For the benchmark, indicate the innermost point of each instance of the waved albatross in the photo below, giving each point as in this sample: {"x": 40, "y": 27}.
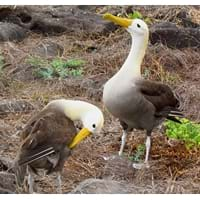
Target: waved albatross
{"x": 136, "y": 102}
{"x": 49, "y": 136}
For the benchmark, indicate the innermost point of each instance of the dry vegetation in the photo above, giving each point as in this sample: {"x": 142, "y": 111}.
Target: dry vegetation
{"x": 174, "y": 169}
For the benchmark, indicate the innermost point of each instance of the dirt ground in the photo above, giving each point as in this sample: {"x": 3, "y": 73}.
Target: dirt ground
{"x": 173, "y": 168}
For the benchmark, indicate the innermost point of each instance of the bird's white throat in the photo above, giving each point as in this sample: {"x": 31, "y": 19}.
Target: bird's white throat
{"x": 132, "y": 66}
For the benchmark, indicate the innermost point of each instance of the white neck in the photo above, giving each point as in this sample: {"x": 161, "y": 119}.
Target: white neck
{"x": 132, "y": 65}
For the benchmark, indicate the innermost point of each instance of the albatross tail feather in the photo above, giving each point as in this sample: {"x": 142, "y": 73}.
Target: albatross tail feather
{"x": 170, "y": 113}
{"x": 174, "y": 119}
{"x": 176, "y": 113}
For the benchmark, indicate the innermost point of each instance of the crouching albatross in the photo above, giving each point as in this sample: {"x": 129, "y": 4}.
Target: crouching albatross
{"x": 49, "y": 136}
{"x": 136, "y": 102}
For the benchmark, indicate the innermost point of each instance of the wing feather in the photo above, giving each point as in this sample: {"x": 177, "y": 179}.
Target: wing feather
{"x": 161, "y": 96}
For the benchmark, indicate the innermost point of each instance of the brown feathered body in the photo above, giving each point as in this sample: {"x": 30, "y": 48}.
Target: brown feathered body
{"x": 45, "y": 141}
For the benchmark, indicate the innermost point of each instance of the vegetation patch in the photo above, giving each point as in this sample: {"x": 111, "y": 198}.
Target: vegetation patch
{"x": 138, "y": 15}
{"x": 188, "y": 131}
{"x": 57, "y": 67}
{"x": 138, "y": 156}
{"x": 2, "y": 63}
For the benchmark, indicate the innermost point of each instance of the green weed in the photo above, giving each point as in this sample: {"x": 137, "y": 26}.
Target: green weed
{"x": 56, "y": 68}
{"x": 139, "y": 153}
{"x": 188, "y": 131}
{"x": 138, "y": 15}
{"x": 36, "y": 61}
{"x": 2, "y": 63}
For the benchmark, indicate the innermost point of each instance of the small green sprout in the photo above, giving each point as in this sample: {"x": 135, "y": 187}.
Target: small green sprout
{"x": 138, "y": 15}
{"x": 135, "y": 15}
{"x": 74, "y": 63}
{"x": 139, "y": 153}
{"x": 36, "y": 61}
{"x": 2, "y": 63}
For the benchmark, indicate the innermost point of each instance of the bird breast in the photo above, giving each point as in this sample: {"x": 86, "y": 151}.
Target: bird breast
{"x": 116, "y": 96}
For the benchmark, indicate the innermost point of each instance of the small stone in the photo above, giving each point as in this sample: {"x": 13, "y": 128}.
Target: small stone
{"x": 48, "y": 49}
{"x": 12, "y": 106}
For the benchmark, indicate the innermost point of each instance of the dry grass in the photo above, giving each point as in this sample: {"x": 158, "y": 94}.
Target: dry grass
{"x": 173, "y": 169}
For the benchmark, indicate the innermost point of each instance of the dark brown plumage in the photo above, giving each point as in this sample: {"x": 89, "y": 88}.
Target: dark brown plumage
{"x": 49, "y": 136}
{"x": 162, "y": 98}
{"x": 45, "y": 141}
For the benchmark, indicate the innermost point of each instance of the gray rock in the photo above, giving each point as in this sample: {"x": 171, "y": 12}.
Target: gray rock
{"x": 48, "y": 49}
{"x": 51, "y": 20}
{"x": 172, "y": 36}
{"x": 100, "y": 186}
{"x": 7, "y": 183}
{"x": 11, "y": 32}
{"x": 10, "y": 106}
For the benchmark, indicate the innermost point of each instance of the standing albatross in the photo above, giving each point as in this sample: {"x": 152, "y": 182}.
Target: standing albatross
{"x": 49, "y": 136}
{"x": 136, "y": 102}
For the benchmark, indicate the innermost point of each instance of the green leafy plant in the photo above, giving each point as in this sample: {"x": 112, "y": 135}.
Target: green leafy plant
{"x": 56, "y": 68}
{"x": 74, "y": 63}
{"x": 188, "y": 131}
{"x": 138, "y": 154}
{"x": 44, "y": 72}
{"x": 135, "y": 14}
{"x": 36, "y": 61}
{"x": 2, "y": 62}
{"x": 138, "y": 15}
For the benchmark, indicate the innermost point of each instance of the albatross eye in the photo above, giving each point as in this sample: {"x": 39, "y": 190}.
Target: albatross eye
{"x": 94, "y": 125}
{"x": 138, "y": 25}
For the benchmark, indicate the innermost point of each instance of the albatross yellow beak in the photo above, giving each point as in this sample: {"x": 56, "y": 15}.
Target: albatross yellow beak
{"x": 83, "y": 133}
{"x": 124, "y": 22}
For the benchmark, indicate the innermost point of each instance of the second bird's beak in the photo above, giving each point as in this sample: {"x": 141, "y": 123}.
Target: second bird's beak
{"x": 124, "y": 22}
{"x": 82, "y": 134}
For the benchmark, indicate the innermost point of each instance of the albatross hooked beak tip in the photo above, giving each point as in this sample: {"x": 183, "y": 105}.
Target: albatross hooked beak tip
{"x": 124, "y": 22}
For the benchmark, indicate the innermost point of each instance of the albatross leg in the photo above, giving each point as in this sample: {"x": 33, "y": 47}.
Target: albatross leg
{"x": 148, "y": 146}
{"x": 59, "y": 183}
{"x": 30, "y": 180}
{"x": 124, "y": 136}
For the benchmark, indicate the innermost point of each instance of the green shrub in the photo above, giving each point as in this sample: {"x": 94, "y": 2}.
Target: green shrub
{"x": 74, "y": 63}
{"x": 138, "y": 154}
{"x": 36, "y": 61}
{"x": 135, "y": 15}
{"x": 56, "y": 68}
{"x": 44, "y": 72}
{"x": 188, "y": 131}
{"x": 138, "y": 15}
{"x": 2, "y": 62}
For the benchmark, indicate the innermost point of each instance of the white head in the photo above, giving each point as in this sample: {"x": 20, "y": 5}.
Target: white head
{"x": 93, "y": 120}
{"x": 136, "y": 27}
{"x": 89, "y": 114}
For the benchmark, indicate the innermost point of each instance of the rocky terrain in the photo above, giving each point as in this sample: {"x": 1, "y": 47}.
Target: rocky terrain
{"x": 31, "y": 35}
